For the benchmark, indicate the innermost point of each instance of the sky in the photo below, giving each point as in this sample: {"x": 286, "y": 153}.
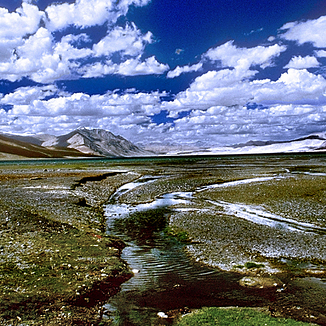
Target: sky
{"x": 203, "y": 73}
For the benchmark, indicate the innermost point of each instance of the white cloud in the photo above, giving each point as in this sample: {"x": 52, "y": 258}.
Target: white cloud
{"x": 25, "y": 20}
{"x": 38, "y": 59}
{"x": 16, "y": 25}
{"x": 294, "y": 103}
{"x": 31, "y": 101}
{"x": 133, "y": 67}
{"x": 224, "y": 126}
{"x": 27, "y": 95}
{"x": 128, "y": 114}
{"x": 67, "y": 51}
{"x": 181, "y": 70}
{"x": 303, "y": 62}
{"x": 128, "y": 40}
{"x": 130, "y": 67}
{"x": 29, "y": 50}
{"x": 232, "y": 56}
{"x": 321, "y": 53}
{"x": 82, "y": 13}
{"x": 33, "y": 113}
{"x": 312, "y": 31}
{"x": 232, "y": 88}
{"x": 85, "y": 13}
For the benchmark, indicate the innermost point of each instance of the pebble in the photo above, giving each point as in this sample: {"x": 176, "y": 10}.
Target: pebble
{"x": 162, "y": 314}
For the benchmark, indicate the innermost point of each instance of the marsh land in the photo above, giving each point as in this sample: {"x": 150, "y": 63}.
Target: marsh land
{"x": 257, "y": 221}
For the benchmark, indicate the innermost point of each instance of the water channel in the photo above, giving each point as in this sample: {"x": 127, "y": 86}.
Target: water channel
{"x": 165, "y": 280}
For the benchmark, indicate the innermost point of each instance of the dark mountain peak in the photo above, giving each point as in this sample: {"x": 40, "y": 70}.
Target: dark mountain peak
{"x": 99, "y": 142}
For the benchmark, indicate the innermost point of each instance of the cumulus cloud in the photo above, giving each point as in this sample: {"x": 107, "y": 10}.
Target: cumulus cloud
{"x": 39, "y": 59}
{"x": 303, "y": 62}
{"x": 216, "y": 101}
{"x": 82, "y": 13}
{"x": 129, "y": 41}
{"x": 210, "y": 124}
{"x": 27, "y": 95}
{"x": 176, "y": 72}
{"x": 225, "y": 126}
{"x": 32, "y": 112}
{"x": 130, "y": 67}
{"x": 312, "y": 31}
{"x": 30, "y": 49}
{"x": 232, "y": 88}
{"x": 25, "y": 20}
{"x": 231, "y": 56}
{"x": 321, "y": 53}
{"x": 133, "y": 67}
{"x": 85, "y": 13}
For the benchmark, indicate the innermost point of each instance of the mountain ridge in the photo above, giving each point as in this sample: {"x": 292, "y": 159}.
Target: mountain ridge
{"x": 80, "y": 142}
{"x": 84, "y": 142}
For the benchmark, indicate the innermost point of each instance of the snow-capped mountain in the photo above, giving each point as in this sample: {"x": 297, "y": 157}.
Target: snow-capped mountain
{"x": 311, "y": 143}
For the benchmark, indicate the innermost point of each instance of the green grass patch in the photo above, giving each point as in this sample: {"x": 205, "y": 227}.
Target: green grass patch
{"x": 181, "y": 236}
{"x": 250, "y": 264}
{"x": 233, "y": 317}
{"x": 61, "y": 264}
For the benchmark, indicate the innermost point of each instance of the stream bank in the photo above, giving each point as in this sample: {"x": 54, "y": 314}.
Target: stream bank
{"x": 254, "y": 255}
{"x": 57, "y": 266}
{"x": 58, "y": 206}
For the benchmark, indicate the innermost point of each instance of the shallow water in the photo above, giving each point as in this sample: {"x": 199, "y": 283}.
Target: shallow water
{"x": 258, "y": 215}
{"x": 164, "y": 277}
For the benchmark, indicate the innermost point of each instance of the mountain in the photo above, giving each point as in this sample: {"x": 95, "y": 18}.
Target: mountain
{"x": 97, "y": 142}
{"x": 311, "y": 143}
{"x": 102, "y": 143}
{"x": 11, "y": 148}
{"x": 81, "y": 142}
{"x": 269, "y": 142}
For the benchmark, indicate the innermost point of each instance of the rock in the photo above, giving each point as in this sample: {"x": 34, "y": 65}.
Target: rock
{"x": 260, "y": 282}
{"x": 162, "y": 314}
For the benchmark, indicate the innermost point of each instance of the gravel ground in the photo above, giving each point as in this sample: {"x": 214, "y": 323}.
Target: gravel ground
{"x": 56, "y": 263}
{"x": 55, "y": 257}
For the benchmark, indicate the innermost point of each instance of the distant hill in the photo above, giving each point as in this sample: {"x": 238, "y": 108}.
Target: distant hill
{"x": 102, "y": 143}
{"x": 16, "y": 149}
{"x": 81, "y": 142}
{"x": 311, "y": 143}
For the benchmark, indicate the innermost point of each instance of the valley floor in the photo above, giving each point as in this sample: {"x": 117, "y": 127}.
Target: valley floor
{"x": 262, "y": 217}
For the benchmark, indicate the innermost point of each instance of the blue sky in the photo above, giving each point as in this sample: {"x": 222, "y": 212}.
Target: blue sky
{"x": 200, "y": 73}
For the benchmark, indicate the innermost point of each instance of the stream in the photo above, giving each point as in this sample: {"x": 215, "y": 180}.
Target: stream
{"x": 166, "y": 281}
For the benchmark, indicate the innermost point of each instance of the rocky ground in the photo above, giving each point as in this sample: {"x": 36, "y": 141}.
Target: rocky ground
{"x": 56, "y": 264}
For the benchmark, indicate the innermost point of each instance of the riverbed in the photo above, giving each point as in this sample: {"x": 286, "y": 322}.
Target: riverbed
{"x": 228, "y": 231}
{"x": 234, "y": 219}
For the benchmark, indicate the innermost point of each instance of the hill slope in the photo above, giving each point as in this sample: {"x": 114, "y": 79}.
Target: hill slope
{"x": 81, "y": 142}
{"x": 15, "y": 149}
